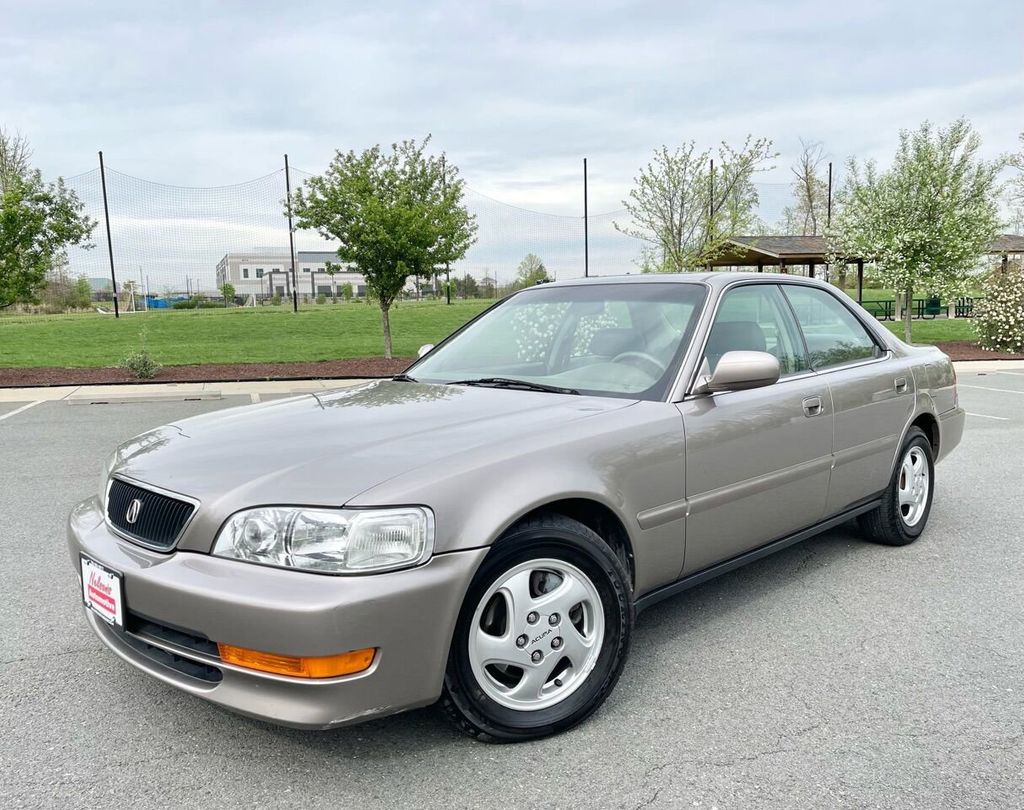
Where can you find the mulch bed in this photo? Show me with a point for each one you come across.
(363, 367)
(965, 350)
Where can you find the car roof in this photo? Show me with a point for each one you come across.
(717, 279)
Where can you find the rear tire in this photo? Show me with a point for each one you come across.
(542, 636)
(907, 501)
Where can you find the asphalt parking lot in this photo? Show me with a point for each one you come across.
(836, 673)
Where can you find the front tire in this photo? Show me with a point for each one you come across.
(907, 501)
(542, 635)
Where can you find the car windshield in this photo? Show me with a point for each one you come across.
(617, 339)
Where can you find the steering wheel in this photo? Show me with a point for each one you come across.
(651, 361)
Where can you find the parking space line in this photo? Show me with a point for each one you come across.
(254, 397)
(987, 388)
(1012, 373)
(986, 416)
(16, 411)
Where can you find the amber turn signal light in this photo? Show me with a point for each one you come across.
(327, 666)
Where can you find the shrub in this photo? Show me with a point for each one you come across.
(190, 304)
(999, 318)
(276, 300)
(321, 299)
(141, 365)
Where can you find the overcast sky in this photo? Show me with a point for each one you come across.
(516, 93)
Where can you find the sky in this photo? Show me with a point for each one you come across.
(516, 93)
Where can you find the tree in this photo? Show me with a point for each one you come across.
(346, 291)
(332, 269)
(395, 213)
(81, 293)
(15, 157)
(228, 291)
(38, 222)
(926, 221)
(807, 215)
(467, 287)
(684, 211)
(1017, 189)
(531, 271)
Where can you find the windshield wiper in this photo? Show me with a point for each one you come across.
(403, 378)
(523, 385)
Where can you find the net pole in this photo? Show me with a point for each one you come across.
(110, 244)
(586, 225)
(291, 235)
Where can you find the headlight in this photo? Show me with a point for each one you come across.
(332, 541)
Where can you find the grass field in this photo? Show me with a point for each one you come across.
(242, 335)
(270, 334)
(937, 331)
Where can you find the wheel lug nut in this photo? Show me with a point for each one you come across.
(556, 642)
(536, 655)
(532, 617)
(522, 641)
(554, 618)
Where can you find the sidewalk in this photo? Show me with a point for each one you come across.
(154, 392)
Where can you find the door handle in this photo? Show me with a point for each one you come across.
(812, 406)
(901, 385)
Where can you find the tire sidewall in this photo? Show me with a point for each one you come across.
(605, 571)
(916, 438)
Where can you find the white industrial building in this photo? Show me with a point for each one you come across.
(268, 273)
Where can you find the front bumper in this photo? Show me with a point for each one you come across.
(408, 615)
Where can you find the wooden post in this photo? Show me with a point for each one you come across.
(782, 267)
(810, 269)
(760, 267)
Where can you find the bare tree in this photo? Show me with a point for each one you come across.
(15, 154)
(807, 215)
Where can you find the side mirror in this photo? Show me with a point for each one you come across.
(740, 371)
(426, 348)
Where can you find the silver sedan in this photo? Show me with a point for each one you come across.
(483, 529)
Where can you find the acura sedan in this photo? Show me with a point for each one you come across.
(483, 529)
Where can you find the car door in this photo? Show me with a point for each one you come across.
(872, 393)
(757, 461)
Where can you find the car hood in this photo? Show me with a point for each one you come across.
(325, 449)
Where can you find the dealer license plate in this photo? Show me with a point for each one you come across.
(103, 591)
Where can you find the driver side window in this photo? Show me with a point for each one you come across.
(756, 317)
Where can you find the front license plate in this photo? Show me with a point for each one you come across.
(103, 591)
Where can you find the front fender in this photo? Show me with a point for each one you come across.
(629, 461)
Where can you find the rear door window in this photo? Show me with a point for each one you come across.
(833, 334)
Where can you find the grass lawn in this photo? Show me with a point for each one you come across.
(241, 335)
(937, 331)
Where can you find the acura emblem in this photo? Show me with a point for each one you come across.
(133, 511)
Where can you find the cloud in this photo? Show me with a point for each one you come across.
(516, 93)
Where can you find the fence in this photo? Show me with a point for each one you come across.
(167, 241)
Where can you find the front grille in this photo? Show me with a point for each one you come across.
(159, 519)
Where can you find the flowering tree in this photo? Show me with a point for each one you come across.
(926, 221)
(684, 212)
(999, 318)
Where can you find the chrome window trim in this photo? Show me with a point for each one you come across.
(159, 491)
